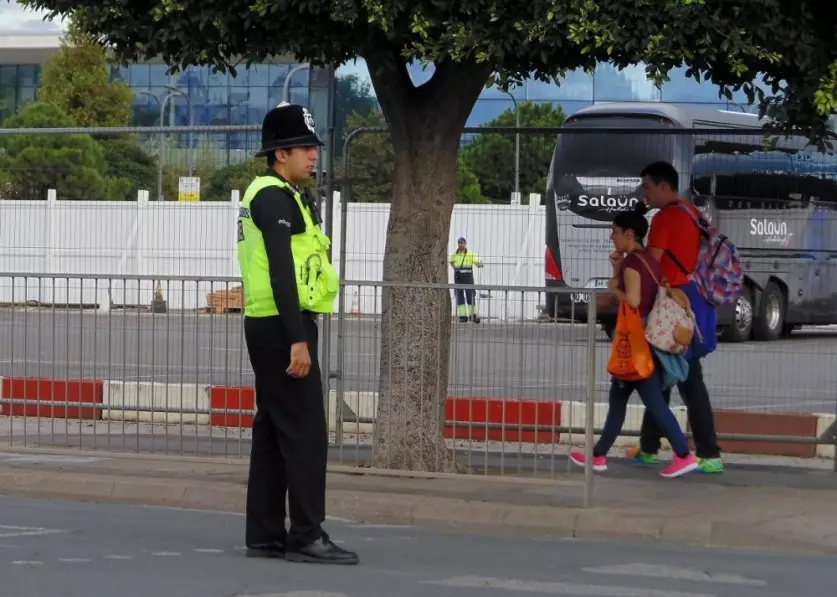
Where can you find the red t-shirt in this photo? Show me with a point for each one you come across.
(648, 285)
(672, 230)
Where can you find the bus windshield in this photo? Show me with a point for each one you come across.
(609, 153)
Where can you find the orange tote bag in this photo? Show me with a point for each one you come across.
(630, 355)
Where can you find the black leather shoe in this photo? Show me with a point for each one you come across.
(266, 550)
(322, 551)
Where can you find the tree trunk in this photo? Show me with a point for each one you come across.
(425, 125)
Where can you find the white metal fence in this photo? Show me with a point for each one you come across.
(197, 239)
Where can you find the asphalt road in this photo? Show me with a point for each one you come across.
(495, 359)
(67, 549)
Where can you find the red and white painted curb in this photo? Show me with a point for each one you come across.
(474, 418)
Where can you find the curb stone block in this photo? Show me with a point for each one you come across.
(51, 395)
(747, 422)
(574, 414)
(826, 424)
(496, 411)
(159, 402)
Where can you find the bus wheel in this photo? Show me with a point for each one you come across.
(742, 325)
(771, 318)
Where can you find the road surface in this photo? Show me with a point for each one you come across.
(67, 549)
(496, 359)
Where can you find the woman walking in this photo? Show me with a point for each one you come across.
(635, 275)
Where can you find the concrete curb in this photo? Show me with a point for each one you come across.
(475, 418)
(407, 509)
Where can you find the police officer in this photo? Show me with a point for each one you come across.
(287, 281)
(463, 262)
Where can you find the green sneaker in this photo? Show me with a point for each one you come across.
(711, 466)
(643, 458)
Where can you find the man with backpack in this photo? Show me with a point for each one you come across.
(701, 262)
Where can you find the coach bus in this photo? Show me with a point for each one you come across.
(774, 197)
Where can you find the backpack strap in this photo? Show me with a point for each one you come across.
(679, 204)
(696, 220)
(650, 271)
(680, 297)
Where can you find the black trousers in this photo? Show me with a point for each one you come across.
(695, 396)
(290, 435)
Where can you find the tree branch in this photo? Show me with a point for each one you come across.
(391, 80)
(459, 83)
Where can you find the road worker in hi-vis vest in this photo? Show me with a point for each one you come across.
(287, 281)
(463, 262)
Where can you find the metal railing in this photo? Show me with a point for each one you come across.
(159, 365)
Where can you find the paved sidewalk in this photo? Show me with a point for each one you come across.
(773, 507)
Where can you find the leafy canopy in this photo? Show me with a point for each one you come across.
(491, 156)
(77, 80)
(77, 168)
(726, 41)
(372, 164)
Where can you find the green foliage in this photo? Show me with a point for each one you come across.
(77, 80)
(372, 159)
(73, 165)
(491, 155)
(468, 188)
(126, 158)
(728, 42)
(354, 96)
(235, 176)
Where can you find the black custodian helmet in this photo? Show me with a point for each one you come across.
(288, 125)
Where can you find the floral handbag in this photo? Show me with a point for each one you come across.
(671, 324)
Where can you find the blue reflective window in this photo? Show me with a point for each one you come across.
(158, 76)
(218, 95)
(277, 74)
(259, 75)
(24, 96)
(627, 85)
(8, 74)
(258, 97)
(216, 115)
(139, 75)
(218, 79)
(28, 75)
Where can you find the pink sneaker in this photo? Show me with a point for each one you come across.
(680, 466)
(599, 462)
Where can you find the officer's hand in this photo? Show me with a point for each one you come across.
(300, 360)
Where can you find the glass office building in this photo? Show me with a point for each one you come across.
(579, 89)
(221, 99)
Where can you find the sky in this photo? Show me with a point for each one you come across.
(14, 18)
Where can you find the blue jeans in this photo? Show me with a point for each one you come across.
(650, 392)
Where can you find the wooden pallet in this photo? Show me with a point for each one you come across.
(225, 301)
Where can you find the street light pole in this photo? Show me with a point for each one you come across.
(160, 105)
(291, 73)
(189, 154)
(516, 148)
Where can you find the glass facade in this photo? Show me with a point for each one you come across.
(579, 89)
(18, 83)
(220, 98)
(214, 98)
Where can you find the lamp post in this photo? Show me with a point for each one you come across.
(291, 73)
(160, 157)
(516, 147)
(176, 91)
(161, 106)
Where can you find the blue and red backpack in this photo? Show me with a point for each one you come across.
(718, 275)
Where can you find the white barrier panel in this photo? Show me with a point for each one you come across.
(179, 239)
(151, 402)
